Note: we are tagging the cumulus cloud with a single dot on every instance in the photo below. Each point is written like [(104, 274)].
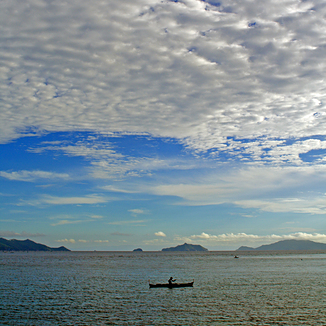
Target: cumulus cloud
[(160, 234)]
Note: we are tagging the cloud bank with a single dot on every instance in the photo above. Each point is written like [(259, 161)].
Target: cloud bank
[(243, 237), (198, 71)]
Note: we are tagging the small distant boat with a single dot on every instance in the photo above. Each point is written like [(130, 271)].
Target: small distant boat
[(236, 256), (172, 285)]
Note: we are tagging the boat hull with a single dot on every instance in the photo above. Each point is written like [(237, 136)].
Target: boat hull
[(171, 286)]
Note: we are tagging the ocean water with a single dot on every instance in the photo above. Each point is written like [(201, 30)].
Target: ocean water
[(111, 288)]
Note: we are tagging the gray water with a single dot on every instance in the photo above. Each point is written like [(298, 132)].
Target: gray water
[(111, 288)]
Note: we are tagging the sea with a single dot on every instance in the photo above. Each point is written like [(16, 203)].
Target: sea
[(112, 288)]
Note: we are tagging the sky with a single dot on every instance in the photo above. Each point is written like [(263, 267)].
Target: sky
[(150, 123)]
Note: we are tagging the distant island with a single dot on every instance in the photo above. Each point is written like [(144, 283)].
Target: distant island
[(186, 247), (26, 245), (138, 249), (288, 245)]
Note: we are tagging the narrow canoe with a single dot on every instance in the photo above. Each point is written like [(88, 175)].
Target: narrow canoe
[(173, 285)]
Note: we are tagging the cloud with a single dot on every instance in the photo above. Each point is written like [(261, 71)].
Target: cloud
[(200, 72), (96, 216), (155, 242), (55, 200), (240, 237), (11, 234), (160, 234), (136, 211), (30, 176), (119, 190), (65, 222), (128, 222), (66, 241), (269, 188), (295, 205)]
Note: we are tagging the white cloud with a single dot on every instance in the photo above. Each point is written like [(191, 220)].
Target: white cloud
[(67, 240), (160, 234), (199, 72), (315, 205), (119, 190), (96, 216), (269, 188), (65, 222), (136, 211), (31, 176), (155, 242), (243, 237), (55, 200)]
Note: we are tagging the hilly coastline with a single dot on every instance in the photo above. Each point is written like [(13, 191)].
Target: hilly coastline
[(26, 245), (288, 245)]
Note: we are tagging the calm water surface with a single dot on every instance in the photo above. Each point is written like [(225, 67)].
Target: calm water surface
[(111, 288)]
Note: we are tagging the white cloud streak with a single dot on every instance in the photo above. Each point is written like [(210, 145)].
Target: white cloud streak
[(66, 222), (56, 200), (273, 189), (30, 176)]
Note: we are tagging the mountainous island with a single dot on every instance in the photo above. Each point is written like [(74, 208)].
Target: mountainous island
[(288, 245), (186, 247), (26, 245)]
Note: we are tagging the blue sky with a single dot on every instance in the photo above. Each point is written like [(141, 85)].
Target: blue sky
[(147, 123)]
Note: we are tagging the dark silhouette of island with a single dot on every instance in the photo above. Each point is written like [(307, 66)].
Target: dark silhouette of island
[(26, 245), (138, 249), (288, 245), (186, 247)]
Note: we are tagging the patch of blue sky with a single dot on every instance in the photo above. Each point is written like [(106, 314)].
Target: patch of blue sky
[(213, 2), (313, 155), (20, 154)]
